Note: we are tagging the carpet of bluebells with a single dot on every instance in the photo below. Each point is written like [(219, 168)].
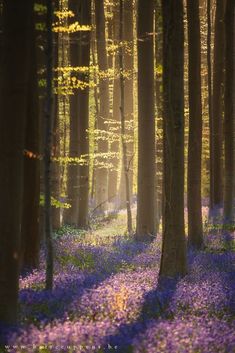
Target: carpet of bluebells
[(107, 298)]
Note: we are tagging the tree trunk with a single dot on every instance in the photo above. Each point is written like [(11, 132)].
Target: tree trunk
[(123, 128), (102, 172), (128, 37), (17, 17), (31, 196), (83, 117), (55, 168), (173, 260), (229, 113), (114, 146), (71, 214), (146, 222), (195, 232), (217, 110), (48, 148)]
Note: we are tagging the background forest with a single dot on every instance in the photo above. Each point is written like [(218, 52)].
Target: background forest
[(117, 176)]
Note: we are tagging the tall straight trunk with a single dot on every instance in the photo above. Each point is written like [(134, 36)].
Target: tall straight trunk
[(17, 17), (158, 92), (195, 231), (229, 113), (31, 196), (123, 127), (146, 222), (83, 116), (128, 37), (48, 148), (217, 109), (71, 214), (209, 82), (173, 260), (55, 168), (102, 172), (114, 146)]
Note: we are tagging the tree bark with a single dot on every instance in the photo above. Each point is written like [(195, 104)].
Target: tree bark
[(229, 113), (31, 196), (48, 148), (146, 215), (83, 116), (102, 172), (71, 214), (173, 260), (217, 110), (195, 232), (17, 17)]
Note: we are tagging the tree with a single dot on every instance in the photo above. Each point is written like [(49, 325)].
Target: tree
[(195, 232), (123, 127), (173, 260), (128, 63), (31, 196), (217, 110), (229, 113), (115, 127), (17, 17), (146, 222), (71, 214), (48, 148), (101, 172), (83, 116)]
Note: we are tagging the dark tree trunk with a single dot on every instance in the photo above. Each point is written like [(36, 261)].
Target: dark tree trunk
[(83, 96), (209, 78), (173, 260), (128, 62), (31, 196), (146, 215), (17, 22), (48, 148), (55, 168), (101, 171), (229, 113), (217, 110), (123, 127), (71, 214), (195, 232)]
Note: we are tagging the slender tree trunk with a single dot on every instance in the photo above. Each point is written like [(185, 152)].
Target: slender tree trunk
[(55, 168), (195, 232), (209, 78), (83, 117), (48, 148), (31, 196), (123, 128), (229, 113), (17, 17), (146, 215), (128, 37), (158, 90), (114, 146), (71, 214), (102, 172), (173, 260), (217, 109)]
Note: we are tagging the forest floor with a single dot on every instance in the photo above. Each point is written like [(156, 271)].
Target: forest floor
[(107, 298)]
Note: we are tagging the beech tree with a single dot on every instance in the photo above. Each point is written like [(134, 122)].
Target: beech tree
[(195, 232), (101, 171), (173, 259), (217, 111), (146, 210), (17, 24), (229, 113)]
